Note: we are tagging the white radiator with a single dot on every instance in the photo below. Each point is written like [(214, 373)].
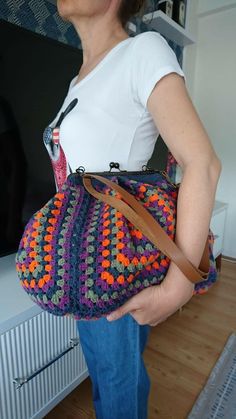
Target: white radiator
[(29, 347)]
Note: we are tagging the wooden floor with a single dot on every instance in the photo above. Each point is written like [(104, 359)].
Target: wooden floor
[(179, 355)]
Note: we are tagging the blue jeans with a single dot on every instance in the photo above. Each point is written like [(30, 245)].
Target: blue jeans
[(113, 353)]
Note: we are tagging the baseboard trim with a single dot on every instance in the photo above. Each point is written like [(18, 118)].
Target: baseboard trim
[(229, 259)]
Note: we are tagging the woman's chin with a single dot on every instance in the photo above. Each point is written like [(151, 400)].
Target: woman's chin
[(63, 8)]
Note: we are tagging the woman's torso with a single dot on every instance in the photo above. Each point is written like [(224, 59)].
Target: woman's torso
[(107, 123)]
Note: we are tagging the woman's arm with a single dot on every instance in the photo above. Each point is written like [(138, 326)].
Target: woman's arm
[(184, 134)]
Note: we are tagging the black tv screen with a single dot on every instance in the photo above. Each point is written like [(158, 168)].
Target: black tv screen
[(35, 72)]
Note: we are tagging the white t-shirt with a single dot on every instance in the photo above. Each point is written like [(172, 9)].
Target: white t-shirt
[(110, 121)]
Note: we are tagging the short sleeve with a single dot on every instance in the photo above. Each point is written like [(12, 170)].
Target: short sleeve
[(152, 59)]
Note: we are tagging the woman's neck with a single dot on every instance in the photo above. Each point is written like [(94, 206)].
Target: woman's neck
[(97, 39)]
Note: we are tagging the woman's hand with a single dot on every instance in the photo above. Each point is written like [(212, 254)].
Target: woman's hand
[(155, 304)]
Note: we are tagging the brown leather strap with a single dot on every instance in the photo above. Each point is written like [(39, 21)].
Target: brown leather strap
[(139, 216)]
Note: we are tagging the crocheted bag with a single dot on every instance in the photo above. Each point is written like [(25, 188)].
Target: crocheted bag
[(87, 251)]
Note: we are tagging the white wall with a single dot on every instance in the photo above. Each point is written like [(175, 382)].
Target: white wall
[(210, 68)]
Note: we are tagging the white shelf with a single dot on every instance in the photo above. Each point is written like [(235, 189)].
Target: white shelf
[(166, 26), (132, 27)]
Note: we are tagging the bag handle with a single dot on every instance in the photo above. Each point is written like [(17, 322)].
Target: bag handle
[(139, 216)]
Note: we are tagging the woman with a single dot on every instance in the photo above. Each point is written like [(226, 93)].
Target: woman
[(128, 90)]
